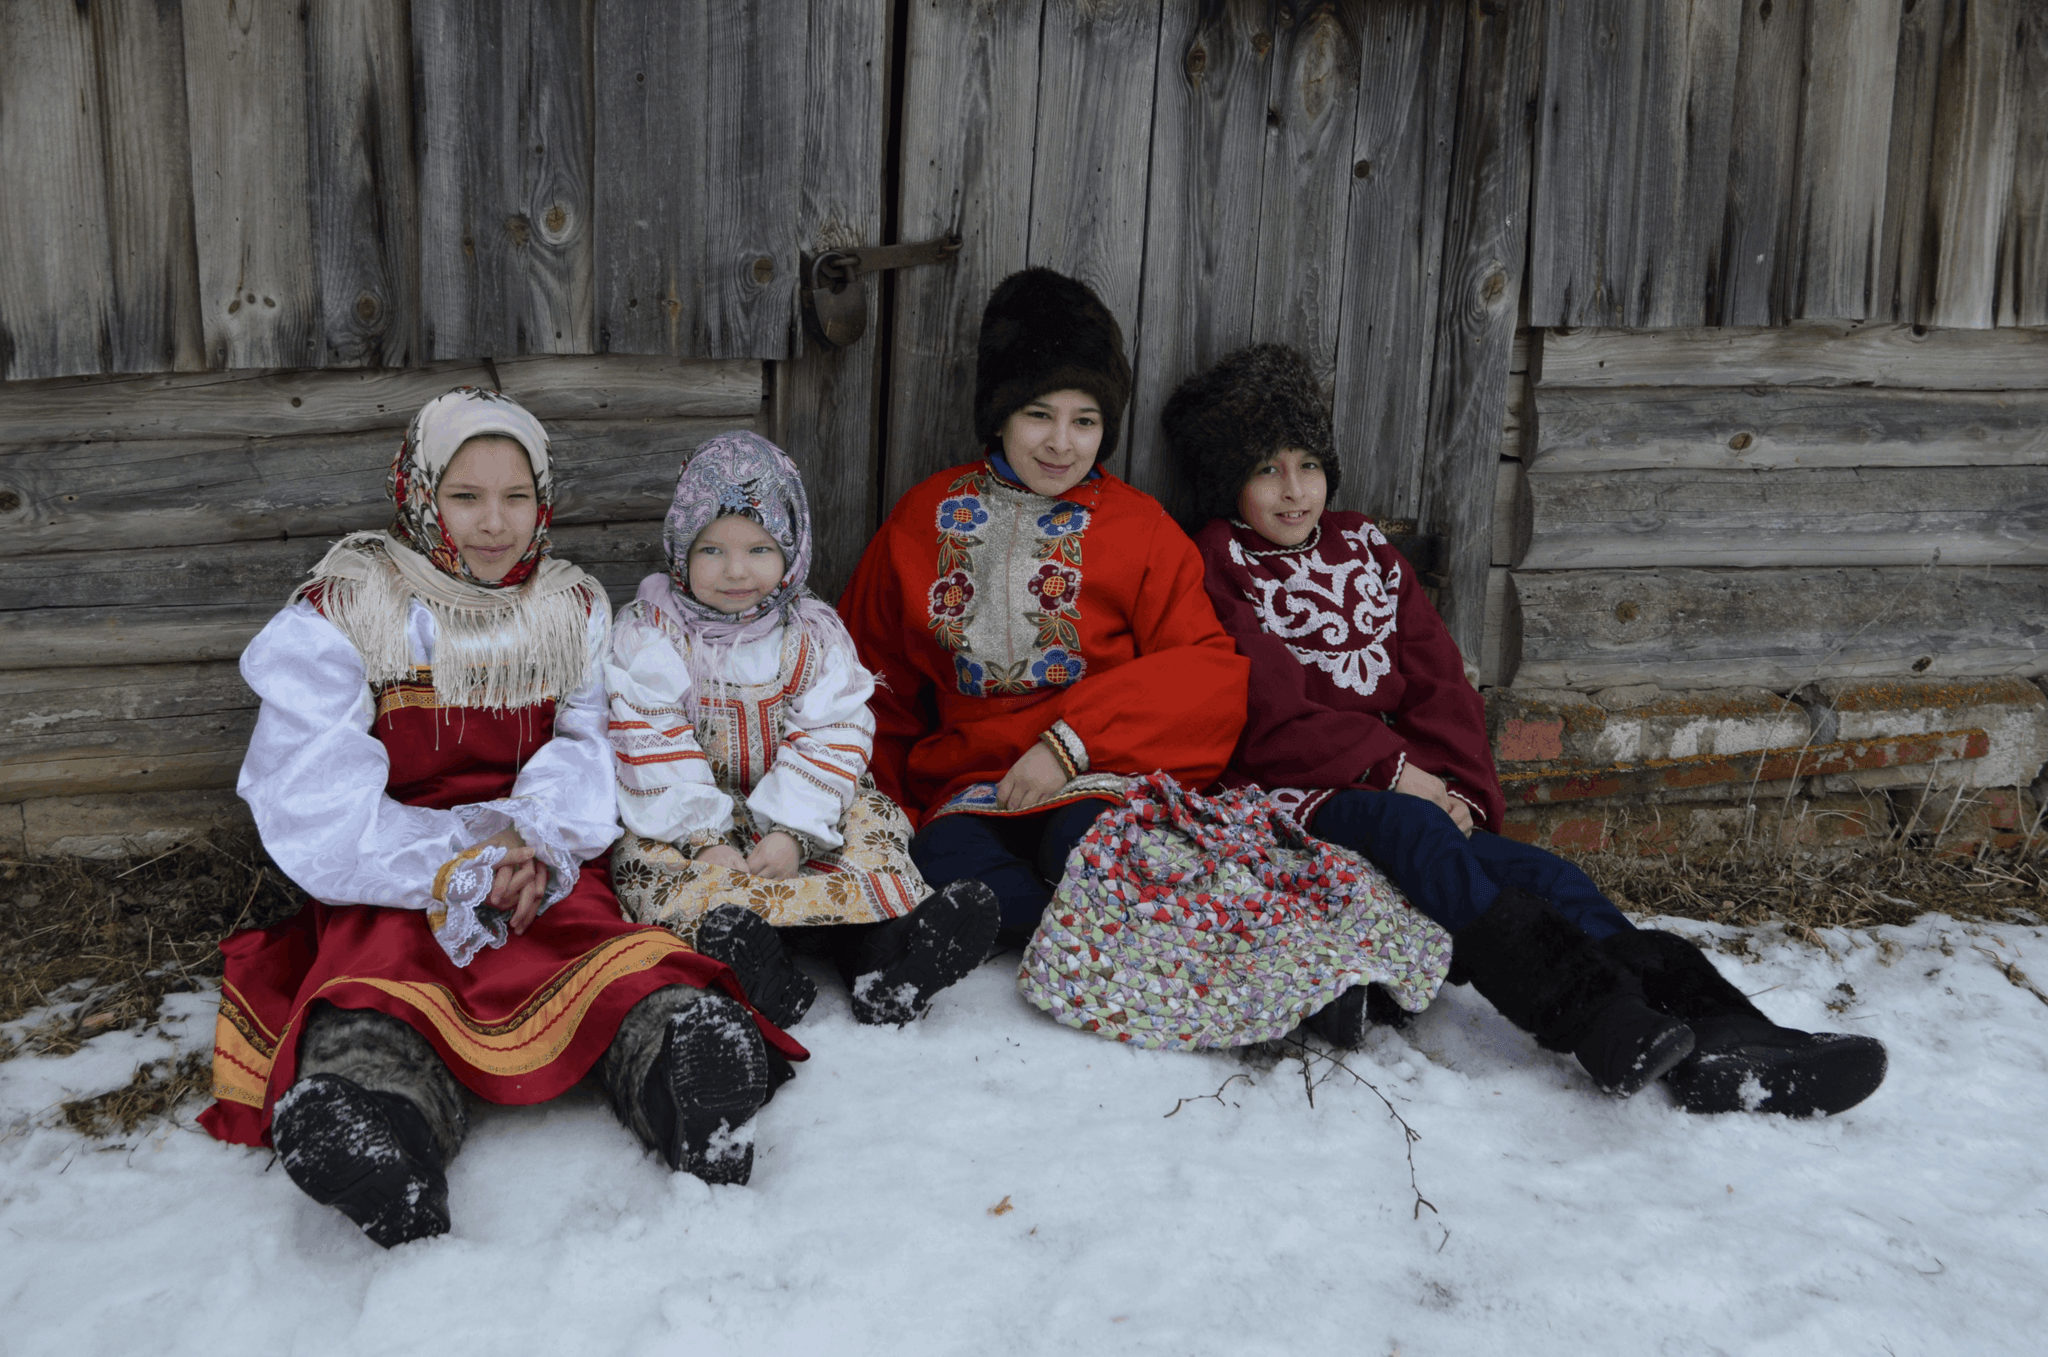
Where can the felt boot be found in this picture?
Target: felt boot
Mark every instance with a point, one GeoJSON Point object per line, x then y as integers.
{"type": "Point", "coordinates": [699, 1096]}
{"type": "Point", "coordinates": [1551, 980]}
{"type": "Point", "coordinates": [748, 943]}
{"type": "Point", "coordinates": [898, 966]}
{"type": "Point", "coordinates": [1344, 1020]}
{"type": "Point", "coordinates": [1741, 1060]}
{"type": "Point", "coordinates": [367, 1154]}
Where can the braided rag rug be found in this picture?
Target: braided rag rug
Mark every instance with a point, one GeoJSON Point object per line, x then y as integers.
{"type": "Point", "coordinates": [1195, 922]}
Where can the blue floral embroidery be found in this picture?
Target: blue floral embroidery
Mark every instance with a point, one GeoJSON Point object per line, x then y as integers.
{"type": "Point", "coordinates": [1064, 519]}
{"type": "Point", "coordinates": [970, 676]}
{"type": "Point", "coordinates": [961, 515]}
{"type": "Point", "coordinates": [1058, 668]}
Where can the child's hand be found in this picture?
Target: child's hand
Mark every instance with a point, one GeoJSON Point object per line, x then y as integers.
{"type": "Point", "coordinates": [518, 884]}
{"type": "Point", "coordinates": [1034, 778]}
{"type": "Point", "coordinates": [776, 857]}
{"type": "Point", "coordinates": [1414, 782]}
{"type": "Point", "coordinates": [723, 855]}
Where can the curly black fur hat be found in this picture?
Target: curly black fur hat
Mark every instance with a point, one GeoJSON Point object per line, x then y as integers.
{"type": "Point", "coordinates": [1223, 422]}
{"type": "Point", "coordinates": [1043, 332]}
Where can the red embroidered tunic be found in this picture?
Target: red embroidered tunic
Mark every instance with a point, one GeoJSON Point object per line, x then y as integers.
{"type": "Point", "coordinates": [1353, 672]}
{"type": "Point", "coordinates": [992, 615]}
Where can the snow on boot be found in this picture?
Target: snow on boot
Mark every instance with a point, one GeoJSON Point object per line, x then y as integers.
{"type": "Point", "coordinates": [702, 1091]}
{"type": "Point", "coordinates": [1742, 1061]}
{"type": "Point", "coordinates": [906, 961]}
{"type": "Point", "coordinates": [368, 1154]}
{"type": "Point", "coordinates": [748, 943]}
{"type": "Point", "coordinates": [1551, 980]}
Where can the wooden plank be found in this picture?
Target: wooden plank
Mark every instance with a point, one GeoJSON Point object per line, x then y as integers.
{"type": "Point", "coordinates": [310, 402]}
{"type": "Point", "coordinates": [1096, 63]}
{"type": "Point", "coordinates": [152, 727]}
{"type": "Point", "coordinates": [1726, 428]}
{"type": "Point", "coordinates": [1519, 419]}
{"type": "Point", "coordinates": [2023, 250]}
{"type": "Point", "coordinates": [366, 245]}
{"type": "Point", "coordinates": [1485, 244]}
{"type": "Point", "coordinates": [1681, 167]}
{"type": "Point", "coordinates": [1778, 629]}
{"type": "Point", "coordinates": [1852, 52]}
{"type": "Point", "coordinates": [57, 302]}
{"type": "Point", "coordinates": [827, 401]}
{"type": "Point", "coordinates": [141, 65]}
{"type": "Point", "coordinates": [970, 114]}
{"type": "Point", "coordinates": [1904, 281]}
{"type": "Point", "coordinates": [1407, 107]}
{"type": "Point", "coordinates": [1511, 515]}
{"type": "Point", "coordinates": [1976, 128]}
{"type": "Point", "coordinates": [1816, 354]}
{"type": "Point", "coordinates": [753, 131]}
{"type": "Point", "coordinates": [1582, 228]}
{"type": "Point", "coordinates": [1599, 520]}
{"type": "Point", "coordinates": [245, 93]}
{"type": "Point", "coordinates": [504, 177]}
{"type": "Point", "coordinates": [1500, 648]}
{"type": "Point", "coordinates": [78, 497]}
{"type": "Point", "coordinates": [648, 176]}
{"type": "Point", "coordinates": [1763, 158]}
{"type": "Point", "coordinates": [1209, 140]}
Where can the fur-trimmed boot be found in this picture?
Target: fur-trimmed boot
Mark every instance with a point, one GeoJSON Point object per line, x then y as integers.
{"type": "Point", "coordinates": [687, 1071]}
{"type": "Point", "coordinates": [368, 1154]}
{"type": "Point", "coordinates": [895, 968]}
{"type": "Point", "coordinates": [1551, 980]}
{"type": "Point", "coordinates": [1741, 1060]}
{"type": "Point", "coordinates": [748, 943]}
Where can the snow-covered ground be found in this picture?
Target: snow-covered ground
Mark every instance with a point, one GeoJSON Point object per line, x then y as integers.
{"type": "Point", "coordinates": [989, 1182]}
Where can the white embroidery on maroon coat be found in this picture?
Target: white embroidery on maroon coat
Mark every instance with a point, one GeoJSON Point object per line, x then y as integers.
{"type": "Point", "coordinates": [1344, 612]}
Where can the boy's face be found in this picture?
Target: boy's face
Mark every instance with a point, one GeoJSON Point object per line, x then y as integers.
{"type": "Point", "coordinates": [1283, 497]}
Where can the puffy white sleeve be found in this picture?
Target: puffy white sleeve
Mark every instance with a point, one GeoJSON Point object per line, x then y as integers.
{"type": "Point", "coordinates": [826, 744]}
{"type": "Point", "coordinates": [568, 781]}
{"type": "Point", "coordinates": [665, 788]}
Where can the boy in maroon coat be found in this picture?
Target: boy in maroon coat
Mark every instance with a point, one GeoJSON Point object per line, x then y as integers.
{"type": "Point", "coordinates": [1361, 717]}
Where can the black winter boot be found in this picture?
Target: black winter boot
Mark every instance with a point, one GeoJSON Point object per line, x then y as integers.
{"type": "Point", "coordinates": [1741, 1060]}
{"type": "Point", "coordinates": [1551, 980]}
{"type": "Point", "coordinates": [367, 1154]}
{"type": "Point", "coordinates": [1343, 1021]}
{"type": "Point", "coordinates": [898, 966]}
{"type": "Point", "coordinates": [704, 1088]}
{"type": "Point", "coordinates": [750, 945]}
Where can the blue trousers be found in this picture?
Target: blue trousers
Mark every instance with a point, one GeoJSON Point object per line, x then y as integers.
{"type": "Point", "coordinates": [1451, 878]}
{"type": "Point", "coordinates": [1019, 857]}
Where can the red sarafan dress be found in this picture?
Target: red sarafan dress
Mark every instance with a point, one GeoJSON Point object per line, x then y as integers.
{"type": "Point", "coordinates": [370, 798]}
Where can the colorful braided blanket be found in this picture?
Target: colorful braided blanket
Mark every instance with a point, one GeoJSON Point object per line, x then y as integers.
{"type": "Point", "coordinates": [1209, 921]}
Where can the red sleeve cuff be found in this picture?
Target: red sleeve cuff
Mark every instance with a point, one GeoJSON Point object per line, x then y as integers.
{"type": "Point", "coordinates": [1383, 775]}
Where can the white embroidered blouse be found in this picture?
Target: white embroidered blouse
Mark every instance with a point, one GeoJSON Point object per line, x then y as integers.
{"type": "Point", "coordinates": [315, 778]}
{"type": "Point", "coordinates": [793, 736]}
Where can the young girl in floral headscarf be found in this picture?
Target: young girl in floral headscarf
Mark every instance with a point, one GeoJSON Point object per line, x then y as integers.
{"type": "Point", "coordinates": [430, 765]}
{"type": "Point", "coordinates": [741, 725]}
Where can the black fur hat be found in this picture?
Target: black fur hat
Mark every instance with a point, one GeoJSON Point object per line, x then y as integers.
{"type": "Point", "coordinates": [1223, 422]}
{"type": "Point", "coordinates": [1043, 332]}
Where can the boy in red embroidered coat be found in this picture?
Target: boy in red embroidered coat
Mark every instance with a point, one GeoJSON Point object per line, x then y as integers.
{"type": "Point", "coordinates": [1038, 628]}
{"type": "Point", "coordinates": [1362, 720]}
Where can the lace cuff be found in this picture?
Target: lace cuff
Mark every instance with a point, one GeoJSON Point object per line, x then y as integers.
{"type": "Point", "coordinates": [463, 923]}
{"type": "Point", "coordinates": [485, 818]}
{"type": "Point", "coordinates": [1067, 748]}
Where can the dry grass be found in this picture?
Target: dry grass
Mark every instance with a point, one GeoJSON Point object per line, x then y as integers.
{"type": "Point", "coordinates": [151, 1095]}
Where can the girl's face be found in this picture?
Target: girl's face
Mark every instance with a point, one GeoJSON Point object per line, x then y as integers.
{"type": "Point", "coordinates": [734, 564]}
{"type": "Point", "coordinates": [488, 505]}
{"type": "Point", "coordinates": [1052, 441]}
{"type": "Point", "coordinates": [1284, 497]}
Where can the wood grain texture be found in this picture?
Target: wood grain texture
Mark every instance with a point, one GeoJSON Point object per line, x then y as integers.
{"type": "Point", "coordinates": [2023, 252]}
{"type": "Point", "coordinates": [1484, 248]}
{"type": "Point", "coordinates": [1778, 629]}
{"type": "Point", "coordinates": [1088, 171]}
{"type": "Point", "coordinates": [366, 244]}
{"type": "Point", "coordinates": [753, 130]}
{"type": "Point", "coordinates": [1512, 516]}
{"type": "Point", "coordinates": [970, 115]}
{"type": "Point", "coordinates": [140, 50]}
{"type": "Point", "coordinates": [1956, 516]}
{"type": "Point", "coordinates": [1730, 428]}
{"type": "Point", "coordinates": [1582, 211]}
{"type": "Point", "coordinates": [1838, 192]}
{"type": "Point", "coordinates": [57, 303]}
{"type": "Point", "coordinates": [1800, 355]}
{"type": "Point", "coordinates": [1904, 279]}
{"type": "Point", "coordinates": [1500, 647]}
{"type": "Point", "coordinates": [1763, 160]}
{"type": "Point", "coordinates": [245, 94]}
{"type": "Point", "coordinates": [1209, 143]}
{"type": "Point", "coordinates": [1976, 127]}
{"type": "Point", "coordinates": [827, 401]}
{"type": "Point", "coordinates": [310, 402]}
{"type": "Point", "coordinates": [153, 727]}
{"type": "Point", "coordinates": [504, 177]}
{"type": "Point", "coordinates": [77, 497]}
{"type": "Point", "coordinates": [1407, 107]}
{"type": "Point", "coordinates": [1681, 167]}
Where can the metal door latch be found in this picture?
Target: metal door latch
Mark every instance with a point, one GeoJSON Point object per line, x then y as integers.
{"type": "Point", "coordinates": [836, 312]}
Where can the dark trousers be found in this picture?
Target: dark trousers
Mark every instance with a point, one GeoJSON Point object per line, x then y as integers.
{"type": "Point", "coordinates": [1019, 857]}
{"type": "Point", "coordinates": [1451, 878]}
